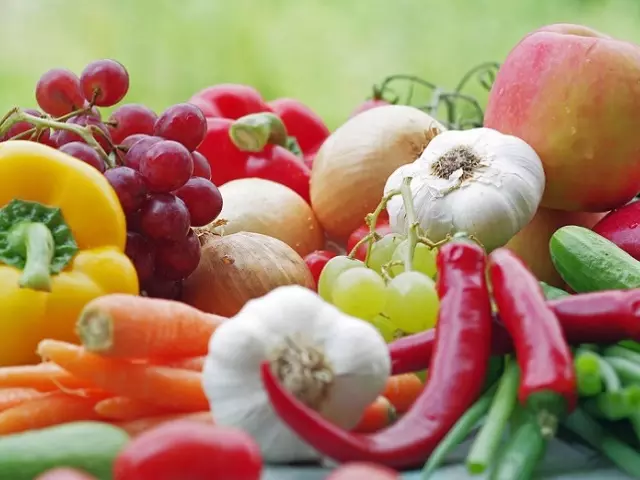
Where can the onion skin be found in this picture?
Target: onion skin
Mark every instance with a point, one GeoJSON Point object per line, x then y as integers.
{"type": "Point", "coordinates": [236, 268]}
{"type": "Point", "coordinates": [270, 208]}
{"type": "Point", "coordinates": [353, 164]}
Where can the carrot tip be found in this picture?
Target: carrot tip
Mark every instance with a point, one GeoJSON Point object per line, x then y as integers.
{"type": "Point", "coordinates": [95, 330]}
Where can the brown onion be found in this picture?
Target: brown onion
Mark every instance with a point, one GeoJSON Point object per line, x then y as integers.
{"type": "Point", "coordinates": [351, 168]}
{"type": "Point", "coordinates": [235, 268]}
{"type": "Point", "coordinates": [270, 208]}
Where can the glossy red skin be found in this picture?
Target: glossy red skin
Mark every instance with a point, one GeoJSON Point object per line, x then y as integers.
{"type": "Point", "coordinates": [302, 123]}
{"type": "Point", "coordinates": [622, 227]}
{"type": "Point", "coordinates": [363, 471]}
{"type": "Point", "coordinates": [316, 261]}
{"type": "Point", "coordinates": [182, 450]}
{"type": "Point", "coordinates": [368, 105]}
{"type": "Point", "coordinates": [205, 107]}
{"type": "Point", "coordinates": [278, 164]}
{"type": "Point", "coordinates": [382, 227]}
{"type": "Point", "coordinates": [65, 474]}
{"type": "Point", "coordinates": [598, 317]}
{"type": "Point", "coordinates": [231, 100]}
{"type": "Point", "coordinates": [544, 357]}
{"type": "Point", "coordinates": [463, 331]}
{"type": "Point", "coordinates": [226, 161]}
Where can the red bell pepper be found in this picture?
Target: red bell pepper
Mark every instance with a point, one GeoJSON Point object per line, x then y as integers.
{"type": "Point", "coordinates": [184, 449]}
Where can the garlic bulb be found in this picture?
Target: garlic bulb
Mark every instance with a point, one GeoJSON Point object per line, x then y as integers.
{"type": "Point", "coordinates": [477, 181]}
{"type": "Point", "coordinates": [335, 363]}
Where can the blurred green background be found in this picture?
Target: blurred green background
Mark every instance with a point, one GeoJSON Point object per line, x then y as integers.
{"type": "Point", "coordinates": [326, 53]}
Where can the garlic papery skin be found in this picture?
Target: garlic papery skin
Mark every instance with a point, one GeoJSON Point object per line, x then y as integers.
{"type": "Point", "coordinates": [335, 363]}
{"type": "Point", "coordinates": [477, 181]}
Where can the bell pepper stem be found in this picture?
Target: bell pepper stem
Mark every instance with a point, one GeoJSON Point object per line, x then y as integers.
{"type": "Point", "coordinates": [255, 131]}
{"type": "Point", "coordinates": [548, 407]}
{"type": "Point", "coordinates": [36, 242]}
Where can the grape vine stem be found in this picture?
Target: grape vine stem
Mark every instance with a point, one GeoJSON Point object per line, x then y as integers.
{"type": "Point", "coordinates": [413, 225]}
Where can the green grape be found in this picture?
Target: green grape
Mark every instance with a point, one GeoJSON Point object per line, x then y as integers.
{"type": "Point", "coordinates": [382, 250]}
{"type": "Point", "coordinates": [424, 259]}
{"type": "Point", "coordinates": [386, 328]}
{"type": "Point", "coordinates": [330, 272]}
{"type": "Point", "coordinates": [412, 302]}
{"type": "Point", "coordinates": [359, 292]}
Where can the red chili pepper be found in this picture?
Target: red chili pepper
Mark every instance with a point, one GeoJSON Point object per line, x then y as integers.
{"type": "Point", "coordinates": [316, 261]}
{"type": "Point", "coordinates": [230, 100]}
{"type": "Point", "coordinates": [597, 317]}
{"type": "Point", "coordinates": [182, 449]}
{"type": "Point", "coordinates": [548, 377]}
{"type": "Point", "coordinates": [463, 332]}
{"type": "Point", "coordinates": [303, 124]}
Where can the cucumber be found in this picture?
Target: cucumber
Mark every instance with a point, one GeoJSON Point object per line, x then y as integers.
{"type": "Point", "coordinates": [589, 262]}
{"type": "Point", "coordinates": [88, 446]}
{"type": "Point", "coordinates": [551, 292]}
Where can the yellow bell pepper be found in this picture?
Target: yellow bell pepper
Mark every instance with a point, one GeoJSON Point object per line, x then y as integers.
{"type": "Point", "coordinates": [62, 240]}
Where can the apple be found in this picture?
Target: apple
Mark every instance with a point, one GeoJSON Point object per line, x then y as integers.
{"type": "Point", "coordinates": [532, 242]}
{"type": "Point", "coordinates": [573, 94]}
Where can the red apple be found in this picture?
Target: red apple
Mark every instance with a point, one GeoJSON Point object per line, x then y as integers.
{"type": "Point", "coordinates": [573, 94]}
{"type": "Point", "coordinates": [532, 242]}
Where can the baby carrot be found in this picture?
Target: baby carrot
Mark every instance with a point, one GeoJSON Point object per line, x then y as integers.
{"type": "Point", "coordinates": [44, 377]}
{"type": "Point", "coordinates": [128, 326]}
{"type": "Point", "coordinates": [125, 408]}
{"type": "Point", "coordinates": [164, 386]}
{"type": "Point", "coordinates": [190, 363]}
{"type": "Point", "coordinates": [10, 397]}
{"type": "Point", "coordinates": [378, 415]}
{"type": "Point", "coordinates": [136, 427]}
{"type": "Point", "coordinates": [51, 409]}
{"type": "Point", "coordinates": [402, 390]}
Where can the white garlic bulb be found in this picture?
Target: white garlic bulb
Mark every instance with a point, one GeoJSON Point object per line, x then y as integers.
{"type": "Point", "coordinates": [335, 363]}
{"type": "Point", "coordinates": [477, 181]}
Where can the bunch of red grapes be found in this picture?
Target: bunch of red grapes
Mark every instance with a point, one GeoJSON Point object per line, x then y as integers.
{"type": "Point", "coordinates": [163, 183]}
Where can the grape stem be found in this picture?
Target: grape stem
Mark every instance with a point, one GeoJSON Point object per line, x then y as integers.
{"type": "Point", "coordinates": [412, 229]}
{"type": "Point", "coordinates": [385, 269]}
{"type": "Point", "coordinates": [16, 115]}
{"type": "Point", "coordinates": [371, 220]}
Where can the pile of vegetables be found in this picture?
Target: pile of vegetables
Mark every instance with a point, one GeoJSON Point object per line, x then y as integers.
{"type": "Point", "coordinates": [425, 274]}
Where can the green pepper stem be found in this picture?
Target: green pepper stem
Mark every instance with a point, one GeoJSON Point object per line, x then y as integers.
{"type": "Point", "coordinates": [253, 132]}
{"type": "Point", "coordinates": [36, 242]}
{"type": "Point", "coordinates": [548, 407]}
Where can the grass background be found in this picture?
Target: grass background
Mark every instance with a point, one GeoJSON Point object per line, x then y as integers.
{"type": "Point", "coordinates": [327, 53]}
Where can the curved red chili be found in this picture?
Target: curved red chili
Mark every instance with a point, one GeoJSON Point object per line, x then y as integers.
{"type": "Point", "coordinates": [548, 377]}
{"type": "Point", "coordinates": [457, 373]}
{"type": "Point", "coordinates": [597, 317]}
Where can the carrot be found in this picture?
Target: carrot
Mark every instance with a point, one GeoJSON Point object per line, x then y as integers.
{"type": "Point", "coordinates": [125, 408]}
{"type": "Point", "coordinates": [10, 397]}
{"type": "Point", "coordinates": [190, 363]}
{"type": "Point", "coordinates": [163, 386]}
{"type": "Point", "coordinates": [51, 409]}
{"type": "Point", "coordinates": [378, 415]}
{"type": "Point", "coordinates": [128, 326]}
{"type": "Point", "coordinates": [44, 377]}
{"type": "Point", "coordinates": [402, 390]}
{"type": "Point", "coordinates": [136, 427]}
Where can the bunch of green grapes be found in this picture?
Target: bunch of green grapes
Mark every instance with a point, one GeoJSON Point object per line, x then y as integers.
{"type": "Point", "coordinates": [382, 292]}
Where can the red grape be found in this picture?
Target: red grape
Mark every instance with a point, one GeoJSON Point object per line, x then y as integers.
{"type": "Point", "coordinates": [84, 152]}
{"type": "Point", "coordinates": [133, 221]}
{"type": "Point", "coordinates": [105, 82]}
{"type": "Point", "coordinates": [316, 261]}
{"type": "Point", "coordinates": [201, 167]}
{"type": "Point", "coordinates": [131, 119]}
{"type": "Point", "coordinates": [166, 166]}
{"type": "Point", "coordinates": [160, 288]}
{"type": "Point", "coordinates": [138, 150]}
{"type": "Point", "coordinates": [141, 253]}
{"type": "Point", "coordinates": [164, 216]}
{"type": "Point", "coordinates": [129, 186]}
{"type": "Point", "coordinates": [177, 260]}
{"type": "Point", "coordinates": [102, 136]}
{"type": "Point", "coordinates": [132, 139]}
{"type": "Point", "coordinates": [184, 123]}
{"type": "Point", "coordinates": [58, 92]}
{"type": "Point", "coordinates": [203, 200]}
